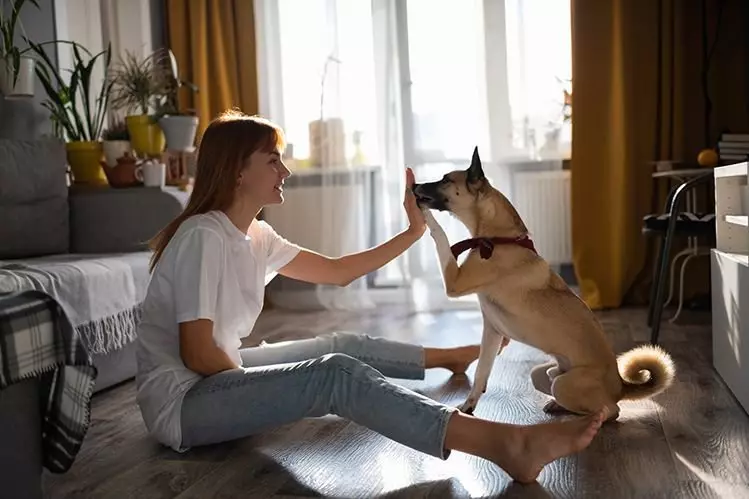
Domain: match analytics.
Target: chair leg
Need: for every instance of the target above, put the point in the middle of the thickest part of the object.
(672, 276)
(660, 285)
(654, 285)
(697, 252)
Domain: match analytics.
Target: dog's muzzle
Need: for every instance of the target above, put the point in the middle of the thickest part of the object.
(428, 196)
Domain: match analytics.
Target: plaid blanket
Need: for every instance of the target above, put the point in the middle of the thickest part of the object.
(38, 340)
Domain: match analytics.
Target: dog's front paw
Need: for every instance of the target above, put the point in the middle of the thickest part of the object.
(470, 404)
(430, 220)
(435, 229)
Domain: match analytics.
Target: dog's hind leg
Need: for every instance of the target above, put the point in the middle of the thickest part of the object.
(582, 392)
(492, 343)
(542, 376)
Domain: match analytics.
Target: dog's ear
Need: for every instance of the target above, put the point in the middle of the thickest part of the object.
(475, 172)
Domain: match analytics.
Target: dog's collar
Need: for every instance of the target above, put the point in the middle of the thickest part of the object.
(486, 244)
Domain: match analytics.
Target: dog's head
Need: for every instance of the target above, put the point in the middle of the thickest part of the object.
(456, 191)
(469, 196)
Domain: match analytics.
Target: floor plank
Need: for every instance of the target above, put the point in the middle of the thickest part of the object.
(691, 441)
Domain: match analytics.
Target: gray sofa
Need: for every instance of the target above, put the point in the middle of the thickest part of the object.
(85, 246)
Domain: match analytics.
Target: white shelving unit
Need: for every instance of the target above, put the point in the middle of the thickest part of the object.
(730, 281)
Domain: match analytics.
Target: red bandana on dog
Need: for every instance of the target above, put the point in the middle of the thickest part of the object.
(486, 245)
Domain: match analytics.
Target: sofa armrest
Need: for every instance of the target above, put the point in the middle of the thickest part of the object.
(120, 220)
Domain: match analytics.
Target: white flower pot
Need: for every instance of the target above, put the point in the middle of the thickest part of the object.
(24, 86)
(179, 132)
(114, 149)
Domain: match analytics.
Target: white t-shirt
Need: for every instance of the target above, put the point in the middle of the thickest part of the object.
(209, 270)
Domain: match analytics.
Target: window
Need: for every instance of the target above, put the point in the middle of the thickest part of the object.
(424, 81)
(446, 61)
(327, 70)
(478, 71)
(539, 67)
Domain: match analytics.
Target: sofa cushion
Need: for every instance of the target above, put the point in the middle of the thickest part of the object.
(34, 214)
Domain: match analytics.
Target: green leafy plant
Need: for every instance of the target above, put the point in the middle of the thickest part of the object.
(139, 84)
(116, 131)
(169, 105)
(9, 52)
(76, 114)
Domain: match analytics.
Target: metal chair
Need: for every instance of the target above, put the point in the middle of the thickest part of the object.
(669, 224)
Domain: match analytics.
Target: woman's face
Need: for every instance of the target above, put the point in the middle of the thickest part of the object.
(261, 179)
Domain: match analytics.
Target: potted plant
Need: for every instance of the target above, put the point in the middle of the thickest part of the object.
(138, 86)
(179, 127)
(116, 142)
(77, 110)
(16, 69)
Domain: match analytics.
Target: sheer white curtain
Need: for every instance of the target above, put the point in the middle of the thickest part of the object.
(318, 70)
(365, 87)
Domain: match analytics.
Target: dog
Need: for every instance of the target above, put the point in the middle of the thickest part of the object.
(521, 298)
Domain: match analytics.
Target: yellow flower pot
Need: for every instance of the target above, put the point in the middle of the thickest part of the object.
(85, 159)
(146, 137)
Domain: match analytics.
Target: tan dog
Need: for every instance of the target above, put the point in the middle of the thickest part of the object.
(523, 299)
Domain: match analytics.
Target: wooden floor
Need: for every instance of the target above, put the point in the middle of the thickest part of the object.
(692, 441)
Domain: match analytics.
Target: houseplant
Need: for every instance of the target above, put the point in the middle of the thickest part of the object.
(16, 69)
(179, 127)
(77, 114)
(138, 87)
(116, 142)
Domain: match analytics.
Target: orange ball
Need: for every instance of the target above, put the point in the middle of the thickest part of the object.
(707, 157)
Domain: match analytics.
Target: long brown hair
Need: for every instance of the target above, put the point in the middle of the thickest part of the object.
(227, 143)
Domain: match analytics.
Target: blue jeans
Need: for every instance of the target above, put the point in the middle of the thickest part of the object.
(339, 373)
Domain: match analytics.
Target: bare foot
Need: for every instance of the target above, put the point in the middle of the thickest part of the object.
(456, 359)
(533, 447)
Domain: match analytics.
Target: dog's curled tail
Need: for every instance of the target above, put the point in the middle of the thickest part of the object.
(645, 371)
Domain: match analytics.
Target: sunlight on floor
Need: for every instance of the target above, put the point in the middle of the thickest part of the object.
(700, 474)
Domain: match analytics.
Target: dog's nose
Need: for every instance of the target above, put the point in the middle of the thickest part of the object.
(415, 188)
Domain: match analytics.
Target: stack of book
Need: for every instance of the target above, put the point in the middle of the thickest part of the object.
(734, 147)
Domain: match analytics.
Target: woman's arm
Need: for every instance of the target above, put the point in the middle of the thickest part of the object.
(313, 267)
(199, 352)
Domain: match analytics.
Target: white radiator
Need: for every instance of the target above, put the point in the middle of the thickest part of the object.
(543, 200)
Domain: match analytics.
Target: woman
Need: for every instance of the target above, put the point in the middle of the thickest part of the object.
(197, 386)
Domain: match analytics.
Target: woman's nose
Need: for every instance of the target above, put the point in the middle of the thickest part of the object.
(285, 172)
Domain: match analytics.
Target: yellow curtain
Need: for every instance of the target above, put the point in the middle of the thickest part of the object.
(637, 90)
(214, 44)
